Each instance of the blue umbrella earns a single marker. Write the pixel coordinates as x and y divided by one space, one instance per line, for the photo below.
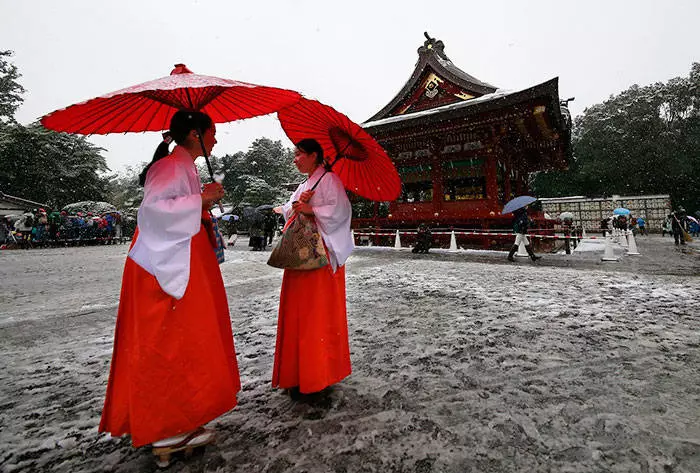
621 211
518 203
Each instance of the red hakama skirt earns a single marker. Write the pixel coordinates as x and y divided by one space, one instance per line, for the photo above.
312 349
174 364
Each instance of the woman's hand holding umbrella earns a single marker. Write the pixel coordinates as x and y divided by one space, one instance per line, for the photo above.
211 193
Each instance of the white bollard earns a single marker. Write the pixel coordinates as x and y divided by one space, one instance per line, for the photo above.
583 232
609 255
397 242
369 242
632 243
453 242
352 235
623 238
522 252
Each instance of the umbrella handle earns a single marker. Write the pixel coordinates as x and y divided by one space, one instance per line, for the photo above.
209 168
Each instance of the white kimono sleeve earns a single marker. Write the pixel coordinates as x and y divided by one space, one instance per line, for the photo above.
333 213
169 216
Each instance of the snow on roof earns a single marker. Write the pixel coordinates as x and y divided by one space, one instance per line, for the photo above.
580 198
450 66
19 201
499 94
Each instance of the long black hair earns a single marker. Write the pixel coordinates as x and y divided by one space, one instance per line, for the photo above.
309 145
181 124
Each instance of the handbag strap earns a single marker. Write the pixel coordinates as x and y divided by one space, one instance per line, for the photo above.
289 222
319 180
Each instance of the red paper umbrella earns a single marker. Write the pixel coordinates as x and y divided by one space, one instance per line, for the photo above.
149 106
356 157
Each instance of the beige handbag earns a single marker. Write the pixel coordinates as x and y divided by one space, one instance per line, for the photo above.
301 246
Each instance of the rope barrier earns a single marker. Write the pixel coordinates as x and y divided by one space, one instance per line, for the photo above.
532 235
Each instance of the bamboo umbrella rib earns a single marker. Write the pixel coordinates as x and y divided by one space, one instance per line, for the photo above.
259 101
156 112
77 120
102 113
116 116
121 117
226 103
236 105
214 106
148 110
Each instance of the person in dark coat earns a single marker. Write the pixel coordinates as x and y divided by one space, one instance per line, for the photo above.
521 222
424 239
270 227
4 230
679 224
571 232
257 236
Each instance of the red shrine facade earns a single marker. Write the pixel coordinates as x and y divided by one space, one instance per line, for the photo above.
463 147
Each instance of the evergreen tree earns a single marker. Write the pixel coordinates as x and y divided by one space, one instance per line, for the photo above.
42 165
49 167
645 140
124 189
258 175
10 90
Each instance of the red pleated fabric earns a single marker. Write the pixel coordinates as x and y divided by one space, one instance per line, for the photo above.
174 364
312 349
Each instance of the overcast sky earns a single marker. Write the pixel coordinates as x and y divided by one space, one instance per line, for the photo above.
354 55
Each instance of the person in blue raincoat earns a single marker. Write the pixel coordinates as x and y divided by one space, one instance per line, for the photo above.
642 225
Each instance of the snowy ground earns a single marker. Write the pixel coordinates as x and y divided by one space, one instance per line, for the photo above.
462 362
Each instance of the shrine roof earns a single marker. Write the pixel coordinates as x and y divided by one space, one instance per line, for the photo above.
434 66
500 98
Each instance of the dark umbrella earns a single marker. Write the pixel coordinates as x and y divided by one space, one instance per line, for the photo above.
356 157
252 215
264 207
149 106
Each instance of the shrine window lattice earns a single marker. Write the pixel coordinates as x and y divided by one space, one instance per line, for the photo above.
417 183
464 179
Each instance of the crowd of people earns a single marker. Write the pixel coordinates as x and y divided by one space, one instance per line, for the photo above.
42 228
677 224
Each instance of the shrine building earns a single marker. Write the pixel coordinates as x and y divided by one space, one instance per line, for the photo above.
463 147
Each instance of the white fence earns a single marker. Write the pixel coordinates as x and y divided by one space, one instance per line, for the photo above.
589 212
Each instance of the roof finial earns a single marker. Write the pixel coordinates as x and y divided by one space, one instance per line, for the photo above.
432 44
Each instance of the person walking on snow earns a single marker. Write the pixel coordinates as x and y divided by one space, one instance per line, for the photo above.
520 224
679 225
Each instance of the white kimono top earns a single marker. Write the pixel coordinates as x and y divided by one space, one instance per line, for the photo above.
169 216
332 211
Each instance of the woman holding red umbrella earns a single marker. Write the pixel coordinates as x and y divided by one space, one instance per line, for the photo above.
312 350
174 365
